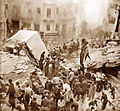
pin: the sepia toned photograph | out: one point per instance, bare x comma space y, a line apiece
59, 55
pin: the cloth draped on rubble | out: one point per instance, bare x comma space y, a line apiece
31, 39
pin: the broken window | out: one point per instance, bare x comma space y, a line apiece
49, 12
111, 19
114, 6
48, 27
37, 27
26, 25
56, 27
38, 10
57, 10
16, 12
6, 6
63, 29
6, 9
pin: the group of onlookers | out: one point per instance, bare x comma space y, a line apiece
64, 92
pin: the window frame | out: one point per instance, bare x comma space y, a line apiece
49, 12
48, 27
38, 10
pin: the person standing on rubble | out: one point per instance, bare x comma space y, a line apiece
47, 62
11, 92
61, 104
53, 62
112, 92
78, 43
82, 53
64, 47
45, 103
87, 51
105, 100
17, 91
28, 93
34, 106
41, 60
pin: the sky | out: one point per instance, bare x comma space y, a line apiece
95, 11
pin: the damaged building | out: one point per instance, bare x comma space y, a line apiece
112, 19
44, 16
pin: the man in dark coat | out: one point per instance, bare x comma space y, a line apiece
64, 47
82, 53
45, 104
47, 62
11, 92
105, 100
41, 60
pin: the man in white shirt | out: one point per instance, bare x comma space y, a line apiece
17, 90
61, 104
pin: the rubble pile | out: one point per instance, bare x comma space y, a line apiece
36, 80
17, 67
68, 81
20, 67
109, 55
36, 83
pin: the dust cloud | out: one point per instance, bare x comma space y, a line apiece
91, 11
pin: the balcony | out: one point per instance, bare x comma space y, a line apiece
48, 18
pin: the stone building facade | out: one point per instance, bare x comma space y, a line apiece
42, 16
4, 18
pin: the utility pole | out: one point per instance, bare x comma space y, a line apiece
2, 23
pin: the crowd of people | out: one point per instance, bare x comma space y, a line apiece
67, 91
68, 47
61, 52
64, 90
